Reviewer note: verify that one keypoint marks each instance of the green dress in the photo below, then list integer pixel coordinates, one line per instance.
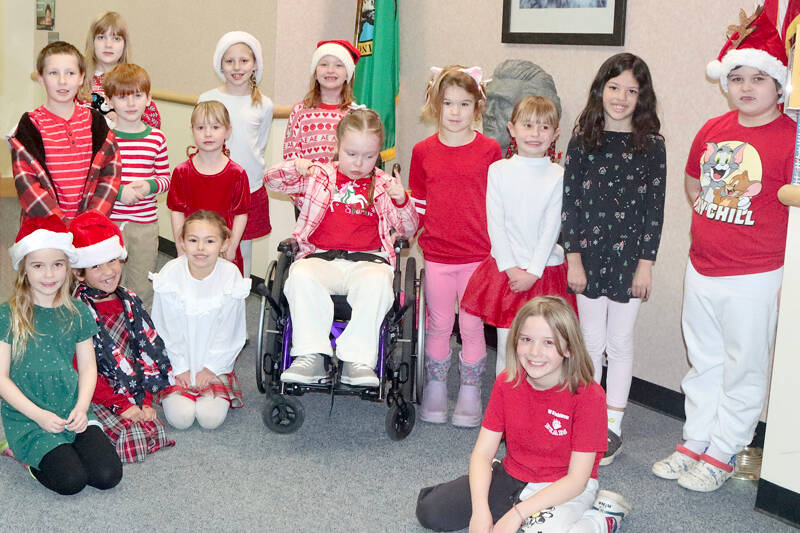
(45, 375)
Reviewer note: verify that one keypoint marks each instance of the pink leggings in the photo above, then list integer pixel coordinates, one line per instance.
(444, 287)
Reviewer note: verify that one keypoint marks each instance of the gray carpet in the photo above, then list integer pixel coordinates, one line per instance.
(341, 473)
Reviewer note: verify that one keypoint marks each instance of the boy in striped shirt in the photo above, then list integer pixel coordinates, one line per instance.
(145, 173)
(64, 156)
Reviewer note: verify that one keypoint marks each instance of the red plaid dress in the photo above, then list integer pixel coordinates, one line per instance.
(132, 440)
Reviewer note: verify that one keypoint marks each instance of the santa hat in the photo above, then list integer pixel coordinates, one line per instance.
(234, 37)
(39, 234)
(754, 42)
(340, 49)
(97, 240)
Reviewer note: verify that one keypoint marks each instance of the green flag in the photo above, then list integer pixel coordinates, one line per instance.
(376, 77)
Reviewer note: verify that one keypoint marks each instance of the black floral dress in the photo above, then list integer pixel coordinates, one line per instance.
(613, 210)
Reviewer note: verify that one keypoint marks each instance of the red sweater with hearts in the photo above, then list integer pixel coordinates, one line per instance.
(311, 132)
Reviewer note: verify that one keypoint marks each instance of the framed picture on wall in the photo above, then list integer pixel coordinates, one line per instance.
(590, 22)
(45, 14)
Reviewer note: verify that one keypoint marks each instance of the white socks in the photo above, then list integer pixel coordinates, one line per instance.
(615, 420)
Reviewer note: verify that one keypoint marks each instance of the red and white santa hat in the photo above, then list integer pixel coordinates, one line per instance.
(41, 233)
(754, 42)
(97, 240)
(340, 49)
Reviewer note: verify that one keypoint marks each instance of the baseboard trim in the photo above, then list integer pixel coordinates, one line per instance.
(778, 502)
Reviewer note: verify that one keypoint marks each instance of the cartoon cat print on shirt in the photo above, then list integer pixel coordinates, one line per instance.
(730, 177)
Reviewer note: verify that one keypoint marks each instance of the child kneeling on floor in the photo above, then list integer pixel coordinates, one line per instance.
(199, 311)
(132, 363)
(553, 417)
(351, 213)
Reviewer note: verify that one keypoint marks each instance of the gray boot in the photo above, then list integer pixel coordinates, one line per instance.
(434, 395)
(469, 407)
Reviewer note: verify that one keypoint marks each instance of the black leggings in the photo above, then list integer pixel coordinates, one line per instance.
(448, 507)
(90, 460)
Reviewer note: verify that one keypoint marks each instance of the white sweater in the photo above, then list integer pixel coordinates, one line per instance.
(523, 210)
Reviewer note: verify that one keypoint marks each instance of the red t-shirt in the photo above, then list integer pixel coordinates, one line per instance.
(448, 187)
(543, 428)
(350, 222)
(104, 393)
(227, 192)
(738, 224)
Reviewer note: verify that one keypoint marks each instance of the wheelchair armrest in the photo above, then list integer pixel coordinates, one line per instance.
(261, 289)
(288, 246)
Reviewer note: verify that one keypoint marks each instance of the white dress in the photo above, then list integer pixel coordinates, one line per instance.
(202, 321)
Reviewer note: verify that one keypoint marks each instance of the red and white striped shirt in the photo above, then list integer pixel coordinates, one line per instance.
(144, 157)
(67, 152)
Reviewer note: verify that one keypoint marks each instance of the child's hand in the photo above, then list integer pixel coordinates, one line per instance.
(576, 277)
(142, 187)
(77, 420)
(132, 413)
(301, 166)
(51, 422)
(148, 413)
(642, 284)
(523, 281)
(204, 378)
(481, 521)
(509, 523)
(395, 189)
(184, 379)
(130, 195)
(230, 253)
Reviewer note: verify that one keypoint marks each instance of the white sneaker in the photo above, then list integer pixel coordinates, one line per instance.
(306, 369)
(614, 508)
(359, 375)
(676, 464)
(704, 476)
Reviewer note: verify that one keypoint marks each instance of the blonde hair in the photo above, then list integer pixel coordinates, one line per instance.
(577, 370)
(536, 109)
(362, 121)
(110, 20)
(212, 217)
(448, 77)
(21, 307)
(256, 97)
(313, 97)
(211, 111)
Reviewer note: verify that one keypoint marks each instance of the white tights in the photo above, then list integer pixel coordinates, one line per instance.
(181, 411)
(246, 248)
(502, 339)
(608, 326)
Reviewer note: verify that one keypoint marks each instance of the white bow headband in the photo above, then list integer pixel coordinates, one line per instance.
(476, 73)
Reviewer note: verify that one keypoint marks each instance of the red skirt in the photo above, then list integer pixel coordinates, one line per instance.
(488, 295)
(228, 389)
(257, 216)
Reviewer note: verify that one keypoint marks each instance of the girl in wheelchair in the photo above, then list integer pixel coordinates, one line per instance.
(351, 213)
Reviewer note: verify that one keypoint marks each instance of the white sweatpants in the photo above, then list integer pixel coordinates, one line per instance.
(574, 516)
(308, 290)
(608, 327)
(729, 327)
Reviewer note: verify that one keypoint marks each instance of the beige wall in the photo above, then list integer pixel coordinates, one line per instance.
(175, 40)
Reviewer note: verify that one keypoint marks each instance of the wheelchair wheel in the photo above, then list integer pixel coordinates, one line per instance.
(272, 340)
(400, 420)
(283, 414)
(407, 348)
(419, 363)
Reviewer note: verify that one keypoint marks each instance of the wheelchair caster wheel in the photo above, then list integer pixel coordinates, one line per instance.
(400, 420)
(283, 414)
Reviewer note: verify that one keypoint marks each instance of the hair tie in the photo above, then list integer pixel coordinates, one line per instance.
(356, 107)
(191, 150)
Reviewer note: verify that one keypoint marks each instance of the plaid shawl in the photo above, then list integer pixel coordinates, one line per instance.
(132, 440)
(129, 353)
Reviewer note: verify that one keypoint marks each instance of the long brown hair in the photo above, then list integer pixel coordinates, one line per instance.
(110, 20)
(577, 370)
(21, 306)
(448, 77)
(362, 121)
(313, 97)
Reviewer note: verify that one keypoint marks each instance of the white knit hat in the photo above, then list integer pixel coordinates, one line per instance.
(231, 38)
(340, 49)
(41, 233)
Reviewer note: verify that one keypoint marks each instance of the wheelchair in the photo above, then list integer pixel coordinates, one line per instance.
(401, 348)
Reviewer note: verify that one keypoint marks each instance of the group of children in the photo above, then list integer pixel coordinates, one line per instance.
(489, 229)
